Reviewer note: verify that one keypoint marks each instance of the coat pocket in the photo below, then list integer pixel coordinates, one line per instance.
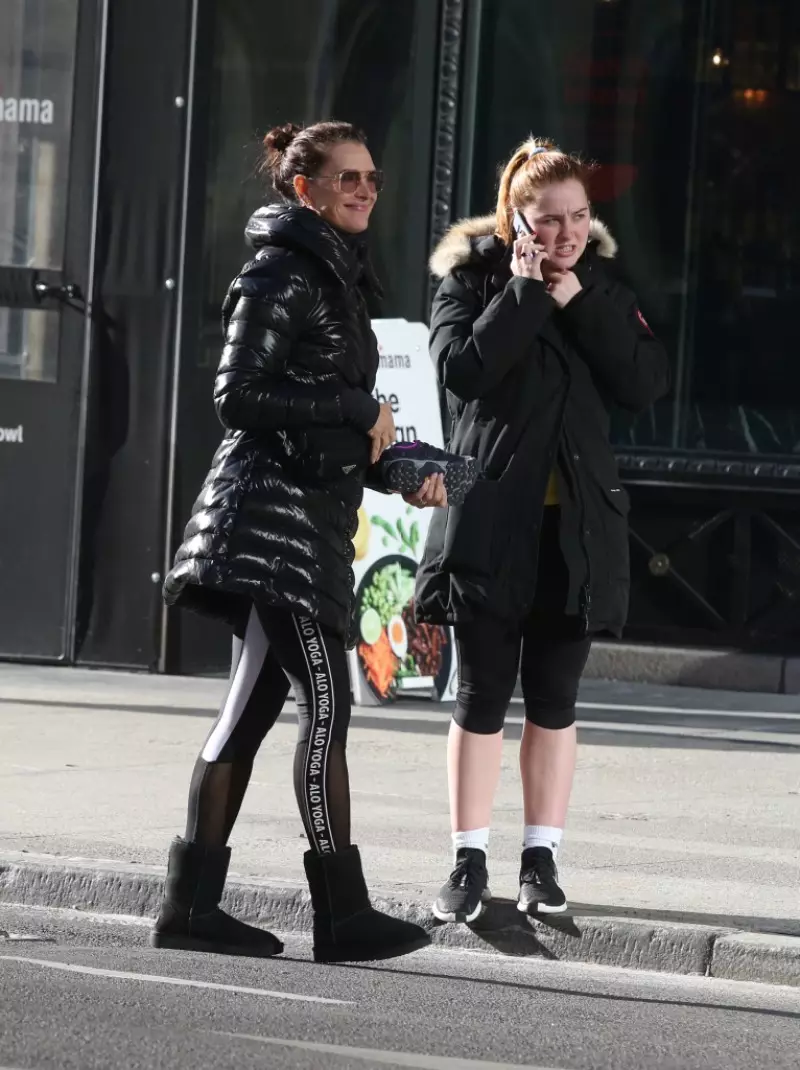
(471, 533)
(617, 497)
(616, 506)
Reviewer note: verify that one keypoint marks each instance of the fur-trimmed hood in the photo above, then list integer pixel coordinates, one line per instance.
(457, 247)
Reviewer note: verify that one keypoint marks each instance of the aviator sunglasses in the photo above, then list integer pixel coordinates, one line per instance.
(349, 181)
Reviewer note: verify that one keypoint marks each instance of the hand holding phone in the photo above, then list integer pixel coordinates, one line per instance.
(528, 254)
(522, 227)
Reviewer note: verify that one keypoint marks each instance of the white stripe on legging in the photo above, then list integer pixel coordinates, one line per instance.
(313, 726)
(251, 662)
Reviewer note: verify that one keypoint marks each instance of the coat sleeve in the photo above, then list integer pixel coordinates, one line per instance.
(252, 392)
(613, 338)
(473, 349)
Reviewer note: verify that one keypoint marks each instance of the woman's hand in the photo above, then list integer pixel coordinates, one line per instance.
(431, 494)
(527, 260)
(383, 433)
(562, 286)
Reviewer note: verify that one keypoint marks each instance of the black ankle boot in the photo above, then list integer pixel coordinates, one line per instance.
(346, 927)
(190, 918)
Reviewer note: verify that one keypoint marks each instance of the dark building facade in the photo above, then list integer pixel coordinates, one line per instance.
(128, 132)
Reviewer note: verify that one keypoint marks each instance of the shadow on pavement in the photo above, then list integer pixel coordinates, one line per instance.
(650, 728)
(461, 979)
(502, 914)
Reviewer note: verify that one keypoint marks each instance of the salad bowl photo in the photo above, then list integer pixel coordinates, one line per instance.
(395, 654)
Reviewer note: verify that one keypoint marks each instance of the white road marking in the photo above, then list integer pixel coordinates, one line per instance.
(23, 938)
(389, 1058)
(731, 735)
(181, 982)
(779, 716)
(406, 715)
(400, 714)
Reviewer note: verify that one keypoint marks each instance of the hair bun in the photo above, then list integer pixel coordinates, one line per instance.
(280, 137)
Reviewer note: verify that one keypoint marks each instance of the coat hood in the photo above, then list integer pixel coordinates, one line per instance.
(291, 226)
(460, 243)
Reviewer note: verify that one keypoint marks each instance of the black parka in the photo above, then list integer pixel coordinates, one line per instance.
(278, 509)
(530, 388)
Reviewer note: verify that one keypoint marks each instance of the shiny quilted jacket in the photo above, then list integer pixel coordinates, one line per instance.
(276, 514)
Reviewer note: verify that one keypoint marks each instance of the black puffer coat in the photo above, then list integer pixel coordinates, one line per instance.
(529, 389)
(277, 512)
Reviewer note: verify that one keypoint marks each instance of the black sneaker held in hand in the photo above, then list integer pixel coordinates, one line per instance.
(405, 466)
(465, 893)
(539, 892)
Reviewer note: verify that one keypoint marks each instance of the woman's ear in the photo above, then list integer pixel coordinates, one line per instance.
(300, 183)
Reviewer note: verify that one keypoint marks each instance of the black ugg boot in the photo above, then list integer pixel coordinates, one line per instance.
(190, 918)
(346, 927)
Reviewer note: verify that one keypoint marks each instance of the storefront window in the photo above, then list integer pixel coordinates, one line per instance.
(37, 53)
(29, 344)
(370, 63)
(690, 108)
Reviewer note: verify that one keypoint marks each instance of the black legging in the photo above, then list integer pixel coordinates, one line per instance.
(278, 648)
(547, 649)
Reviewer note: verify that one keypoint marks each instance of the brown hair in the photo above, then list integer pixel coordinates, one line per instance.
(291, 150)
(535, 164)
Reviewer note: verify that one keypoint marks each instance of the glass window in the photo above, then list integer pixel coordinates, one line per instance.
(690, 107)
(37, 53)
(371, 64)
(29, 344)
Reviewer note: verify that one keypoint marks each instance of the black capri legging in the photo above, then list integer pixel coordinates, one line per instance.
(548, 643)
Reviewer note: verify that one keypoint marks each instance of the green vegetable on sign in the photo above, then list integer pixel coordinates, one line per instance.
(390, 591)
(406, 540)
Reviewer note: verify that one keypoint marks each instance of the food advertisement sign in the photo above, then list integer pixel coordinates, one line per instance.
(394, 656)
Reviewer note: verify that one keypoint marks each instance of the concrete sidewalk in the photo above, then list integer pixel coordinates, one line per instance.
(682, 853)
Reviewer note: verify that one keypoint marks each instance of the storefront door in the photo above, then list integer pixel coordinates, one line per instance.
(258, 65)
(48, 80)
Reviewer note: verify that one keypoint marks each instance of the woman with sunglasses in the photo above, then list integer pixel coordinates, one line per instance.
(269, 547)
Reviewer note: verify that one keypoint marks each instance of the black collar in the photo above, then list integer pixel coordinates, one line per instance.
(295, 227)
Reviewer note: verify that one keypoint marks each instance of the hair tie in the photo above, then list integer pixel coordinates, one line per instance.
(537, 150)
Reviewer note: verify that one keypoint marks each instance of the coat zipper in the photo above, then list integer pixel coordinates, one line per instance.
(585, 597)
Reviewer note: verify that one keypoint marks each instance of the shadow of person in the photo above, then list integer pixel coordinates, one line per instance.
(505, 929)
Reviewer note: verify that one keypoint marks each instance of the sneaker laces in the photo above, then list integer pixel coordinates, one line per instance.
(539, 871)
(464, 872)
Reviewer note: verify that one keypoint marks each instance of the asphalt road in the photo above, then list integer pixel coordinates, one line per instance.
(90, 993)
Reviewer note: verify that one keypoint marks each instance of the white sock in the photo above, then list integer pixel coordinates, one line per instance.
(478, 838)
(542, 836)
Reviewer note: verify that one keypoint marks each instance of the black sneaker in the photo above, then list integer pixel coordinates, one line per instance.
(465, 893)
(539, 892)
(406, 465)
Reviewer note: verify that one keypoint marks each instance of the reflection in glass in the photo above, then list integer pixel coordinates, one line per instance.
(690, 107)
(37, 52)
(357, 61)
(29, 344)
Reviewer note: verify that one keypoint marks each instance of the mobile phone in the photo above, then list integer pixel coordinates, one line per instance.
(521, 225)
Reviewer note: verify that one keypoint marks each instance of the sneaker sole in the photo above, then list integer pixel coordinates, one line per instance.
(210, 947)
(540, 908)
(406, 476)
(458, 916)
(353, 953)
